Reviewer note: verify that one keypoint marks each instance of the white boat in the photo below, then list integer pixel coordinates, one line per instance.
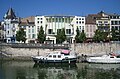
(111, 58)
(64, 56)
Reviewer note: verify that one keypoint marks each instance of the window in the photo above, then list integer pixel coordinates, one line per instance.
(116, 28)
(32, 30)
(40, 21)
(77, 22)
(66, 20)
(68, 31)
(54, 56)
(82, 21)
(82, 18)
(29, 31)
(59, 56)
(63, 19)
(53, 20)
(99, 21)
(41, 18)
(38, 18)
(50, 31)
(76, 18)
(56, 19)
(8, 32)
(105, 21)
(80, 27)
(33, 35)
(50, 56)
(79, 18)
(38, 29)
(112, 22)
(111, 57)
(24, 27)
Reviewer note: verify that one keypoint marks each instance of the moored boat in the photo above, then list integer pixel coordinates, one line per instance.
(64, 56)
(110, 58)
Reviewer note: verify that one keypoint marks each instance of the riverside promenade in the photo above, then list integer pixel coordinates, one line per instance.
(25, 51)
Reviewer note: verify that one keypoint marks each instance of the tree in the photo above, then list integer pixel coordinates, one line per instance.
(77, 35)
(100, 36)
(41, 35)
(21, 35)
(80, 37)
(115, 34)
(97, 37)
(61, 37)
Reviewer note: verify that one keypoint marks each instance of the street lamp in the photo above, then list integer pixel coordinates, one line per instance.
(109, 37)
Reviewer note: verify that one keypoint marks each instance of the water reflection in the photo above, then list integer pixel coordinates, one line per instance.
(56, 71)
(29, 70)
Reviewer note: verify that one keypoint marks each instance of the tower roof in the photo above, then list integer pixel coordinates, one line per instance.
(10, 14)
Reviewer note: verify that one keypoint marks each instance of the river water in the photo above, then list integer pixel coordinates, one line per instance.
(29, 70)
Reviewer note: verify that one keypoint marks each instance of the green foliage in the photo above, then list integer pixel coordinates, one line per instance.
(100, 36)
(115, 35)
(41, 35)
(61, 37)
(80, 37)
(21, 35)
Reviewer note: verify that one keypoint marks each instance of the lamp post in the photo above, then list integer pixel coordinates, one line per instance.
(109, 37)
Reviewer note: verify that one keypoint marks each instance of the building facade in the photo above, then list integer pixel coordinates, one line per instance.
(52, 24)
(1, 32)
(28, 25)
(103, 21)
(90, 26)
(115, 21)
(10, 24)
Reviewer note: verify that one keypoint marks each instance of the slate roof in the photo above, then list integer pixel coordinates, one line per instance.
(10, 14)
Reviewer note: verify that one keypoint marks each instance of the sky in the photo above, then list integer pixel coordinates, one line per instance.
(26, 8)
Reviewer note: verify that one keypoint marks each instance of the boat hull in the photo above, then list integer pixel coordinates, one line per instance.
(71, 60)
(103, 60)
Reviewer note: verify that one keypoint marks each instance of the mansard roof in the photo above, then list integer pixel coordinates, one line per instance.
(27, 21)
(10, 14)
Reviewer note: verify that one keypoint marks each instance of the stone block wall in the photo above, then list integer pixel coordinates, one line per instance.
(84, 48)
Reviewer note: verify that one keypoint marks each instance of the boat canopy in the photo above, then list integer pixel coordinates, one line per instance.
(65, 51)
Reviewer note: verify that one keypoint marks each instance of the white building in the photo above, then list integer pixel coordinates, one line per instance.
(10, 24)
(51, 24)
(115, 21)
(29, 27)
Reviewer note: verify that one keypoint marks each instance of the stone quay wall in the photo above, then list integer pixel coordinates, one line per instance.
(83, 48)
(96, 48)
